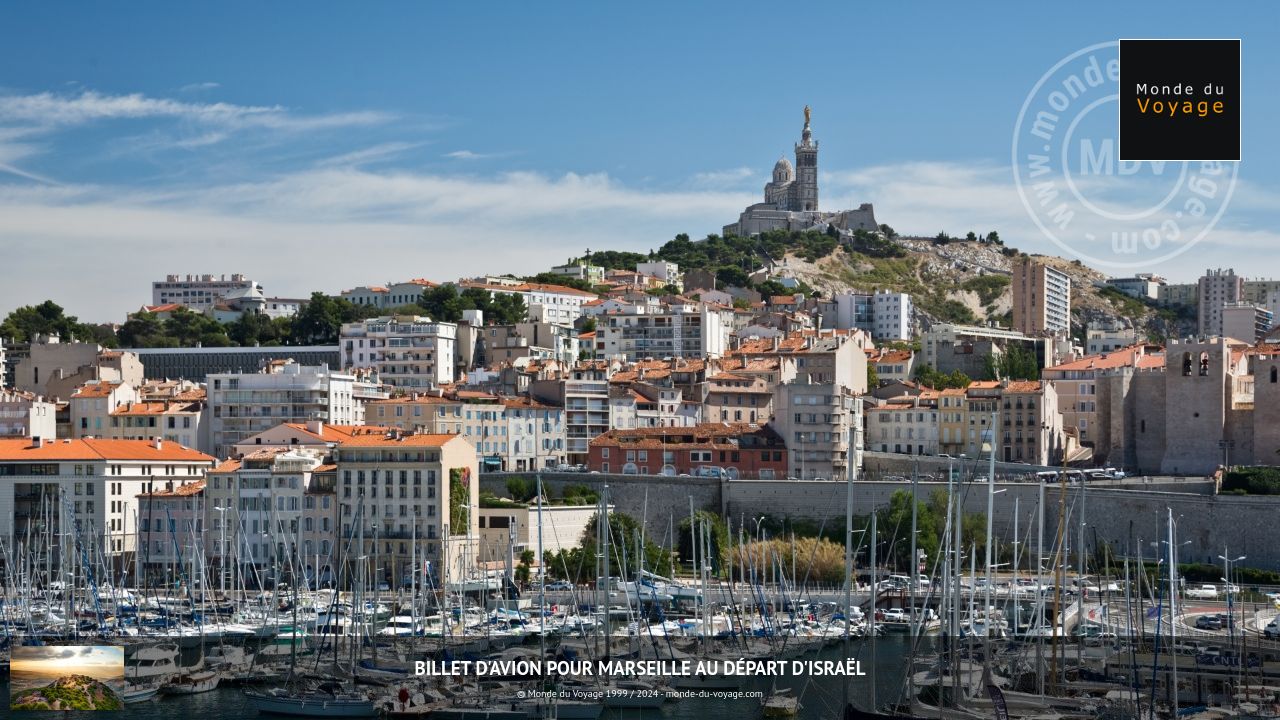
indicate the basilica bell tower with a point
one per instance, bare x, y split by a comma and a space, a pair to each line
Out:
806, 182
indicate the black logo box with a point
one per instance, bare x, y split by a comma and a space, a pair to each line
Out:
1187, 68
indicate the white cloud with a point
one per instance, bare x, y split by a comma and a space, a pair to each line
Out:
733, 179
49, 110
198, 87
365, 156
469, 155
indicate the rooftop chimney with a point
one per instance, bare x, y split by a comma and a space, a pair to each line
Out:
315, 427
157, 443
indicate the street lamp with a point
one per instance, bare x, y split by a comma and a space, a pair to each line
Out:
1226, 570
222, 550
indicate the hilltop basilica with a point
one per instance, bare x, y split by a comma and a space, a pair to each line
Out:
791, 198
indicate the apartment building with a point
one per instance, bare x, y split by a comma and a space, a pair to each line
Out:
66, 491
55, 369
494, 346
391, 295
405, 351
508, 433
732, 450
1215, 290
819, 356
907, 424
393, 487
1108, 337
1030, 428
198, 292
1245, 321
242, 405
817, 421
1144, 286
737, 398
1041, 298
170, 533
24, 414
584, 394
255, 514
690, 330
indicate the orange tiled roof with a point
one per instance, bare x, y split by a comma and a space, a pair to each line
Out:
95, 390
894, 356
98, 449
227, 466
397, 440
1124, 357
1023, 386
166, 307
153, 408
183, 490
339, 433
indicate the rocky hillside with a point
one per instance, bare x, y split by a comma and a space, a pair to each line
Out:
70, 692
968, 282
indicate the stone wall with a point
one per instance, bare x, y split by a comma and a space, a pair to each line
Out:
1127, 517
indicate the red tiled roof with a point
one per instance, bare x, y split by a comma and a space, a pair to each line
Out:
98, 449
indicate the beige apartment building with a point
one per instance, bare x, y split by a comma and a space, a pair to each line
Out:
1041, 298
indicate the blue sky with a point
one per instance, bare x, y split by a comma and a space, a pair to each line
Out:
323, 146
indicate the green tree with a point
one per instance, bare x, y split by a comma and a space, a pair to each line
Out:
873, 377
719, 540
442, 303
1015, 363
894, 527
141, 330
189, 328
320, 321
47, 318
521, 488
459, 500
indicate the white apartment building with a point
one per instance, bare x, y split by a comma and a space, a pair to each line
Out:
255, 512
198, 292
245, 404
508, 433
584, 395
667, 272
91, 485
1101, 338
692, 330
405, 351
24, 414
388, 296
891, 313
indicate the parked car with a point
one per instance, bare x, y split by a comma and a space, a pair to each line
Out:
895, 615
559, 585
1272, 630
1208, 622
1204, 592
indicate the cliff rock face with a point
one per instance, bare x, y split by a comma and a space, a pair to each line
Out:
71, 692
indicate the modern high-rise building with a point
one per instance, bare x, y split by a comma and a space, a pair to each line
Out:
1041, 298
1216, 289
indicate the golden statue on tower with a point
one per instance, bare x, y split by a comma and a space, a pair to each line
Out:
806, 114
